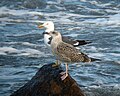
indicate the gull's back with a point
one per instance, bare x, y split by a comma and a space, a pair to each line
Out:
68, 53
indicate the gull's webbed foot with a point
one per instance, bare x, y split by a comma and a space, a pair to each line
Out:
64, 75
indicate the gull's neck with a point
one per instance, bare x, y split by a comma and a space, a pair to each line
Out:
56, 41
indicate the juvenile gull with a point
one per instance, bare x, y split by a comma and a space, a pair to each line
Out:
49, 25
65, 52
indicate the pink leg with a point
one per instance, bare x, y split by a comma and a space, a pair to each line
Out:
65, 73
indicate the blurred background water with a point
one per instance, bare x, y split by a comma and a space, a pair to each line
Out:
22, 50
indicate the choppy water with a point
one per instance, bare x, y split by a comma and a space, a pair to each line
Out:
22, 50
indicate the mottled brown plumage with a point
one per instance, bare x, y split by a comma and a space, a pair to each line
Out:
66, 52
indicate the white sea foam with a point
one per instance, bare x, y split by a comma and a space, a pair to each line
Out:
117, 86
97, 55
111, 20
63, 17
3, 53
31, 53
117, 62
8, 50
103, 49
114, 19
74, 28
5, 11
114, 54
72, 35
92, 48
20, 43
23, 52
29, 44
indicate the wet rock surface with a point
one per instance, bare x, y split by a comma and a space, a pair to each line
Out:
47, 82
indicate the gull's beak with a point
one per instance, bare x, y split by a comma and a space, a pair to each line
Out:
40, 26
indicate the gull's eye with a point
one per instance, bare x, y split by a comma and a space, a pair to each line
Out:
53, 32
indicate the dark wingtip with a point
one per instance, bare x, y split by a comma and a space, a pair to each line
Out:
94, 59
82, 42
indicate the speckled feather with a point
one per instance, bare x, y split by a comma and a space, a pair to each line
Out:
67, 53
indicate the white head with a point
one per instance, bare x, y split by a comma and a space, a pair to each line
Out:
49, 25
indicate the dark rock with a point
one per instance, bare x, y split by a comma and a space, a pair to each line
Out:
47, 82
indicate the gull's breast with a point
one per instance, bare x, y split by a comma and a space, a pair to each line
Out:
47, 39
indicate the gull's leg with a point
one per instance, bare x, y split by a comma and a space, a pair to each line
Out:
57, 63
66, 72
63, 73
